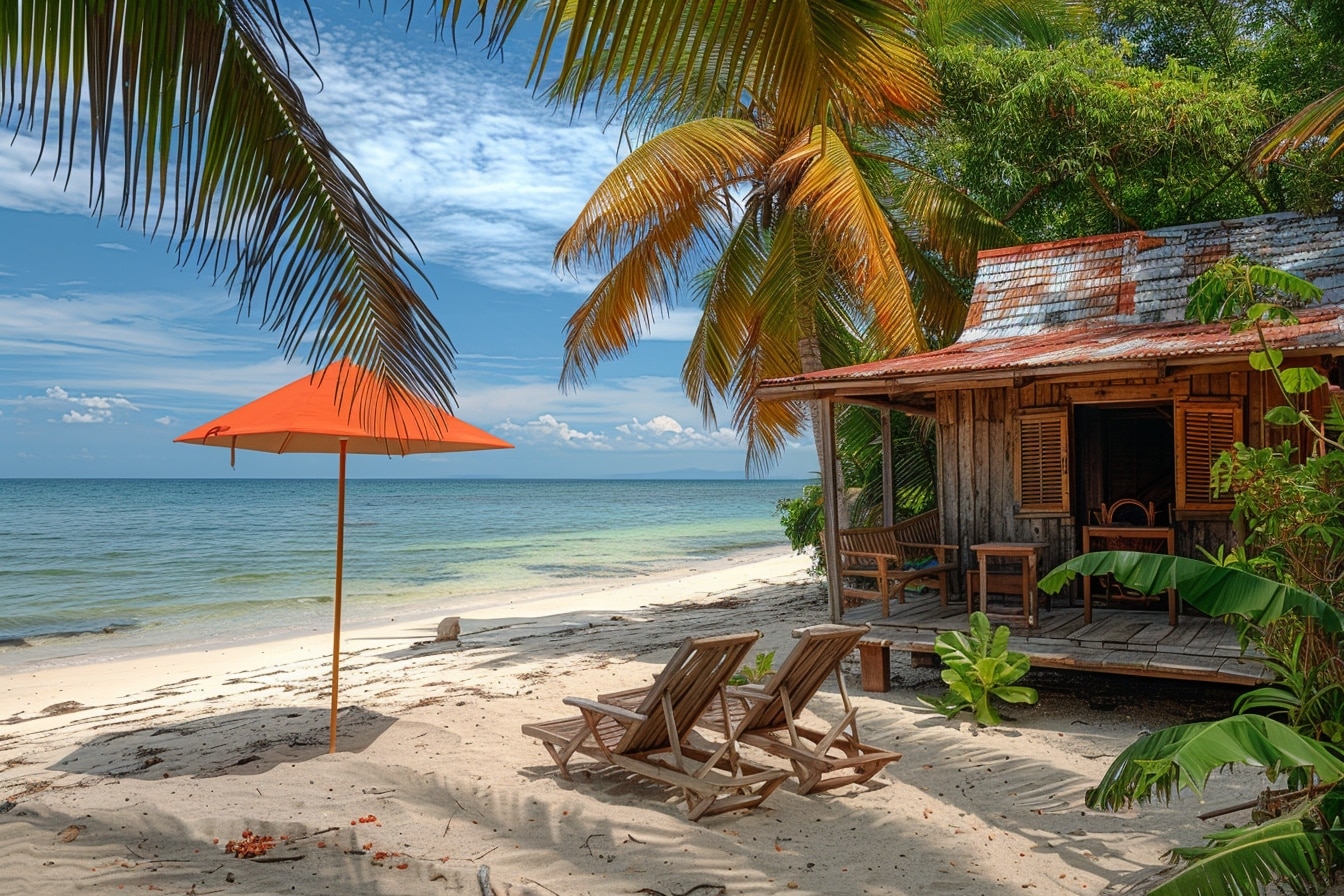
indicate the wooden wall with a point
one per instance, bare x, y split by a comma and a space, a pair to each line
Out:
977, 436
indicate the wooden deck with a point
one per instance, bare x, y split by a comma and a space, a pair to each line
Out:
1119, 642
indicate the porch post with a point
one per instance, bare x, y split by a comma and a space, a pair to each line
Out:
888, 487
830, 497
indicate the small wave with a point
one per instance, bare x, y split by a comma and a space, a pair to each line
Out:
62, 634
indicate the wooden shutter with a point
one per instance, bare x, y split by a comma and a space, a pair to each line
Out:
1204, 430
1043, 462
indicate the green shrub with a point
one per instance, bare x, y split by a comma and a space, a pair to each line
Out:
979, 666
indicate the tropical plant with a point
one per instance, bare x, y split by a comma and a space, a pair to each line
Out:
188, 110
755, 672
775, 203
1299, 845
804, 520
979, 667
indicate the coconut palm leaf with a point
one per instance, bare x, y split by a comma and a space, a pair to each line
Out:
189, 109
806, 59
1216, 590
1324, 119
1035, 23
1244, 861
1183, 757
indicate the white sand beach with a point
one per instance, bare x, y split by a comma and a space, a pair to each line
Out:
133, 776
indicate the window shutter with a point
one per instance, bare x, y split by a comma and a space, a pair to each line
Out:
1043, 462
1204, 430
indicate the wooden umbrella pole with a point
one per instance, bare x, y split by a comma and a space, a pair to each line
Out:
336, 628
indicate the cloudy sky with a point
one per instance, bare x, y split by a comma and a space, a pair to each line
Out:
108, 351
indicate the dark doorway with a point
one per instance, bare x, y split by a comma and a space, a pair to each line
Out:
1124, 451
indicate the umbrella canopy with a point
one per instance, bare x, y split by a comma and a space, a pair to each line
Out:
342, 409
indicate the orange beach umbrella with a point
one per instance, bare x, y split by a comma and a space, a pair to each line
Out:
342, 409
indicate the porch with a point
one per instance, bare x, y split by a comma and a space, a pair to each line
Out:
1118, 641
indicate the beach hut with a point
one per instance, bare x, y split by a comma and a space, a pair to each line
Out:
1078, 384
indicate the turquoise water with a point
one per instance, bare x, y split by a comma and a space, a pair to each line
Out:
155, 559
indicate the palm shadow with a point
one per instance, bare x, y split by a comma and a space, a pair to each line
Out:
249, 742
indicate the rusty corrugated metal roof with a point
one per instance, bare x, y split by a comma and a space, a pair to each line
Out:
1115, 299
1085, 345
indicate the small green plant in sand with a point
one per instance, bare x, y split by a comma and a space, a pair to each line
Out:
979, 666
755, 672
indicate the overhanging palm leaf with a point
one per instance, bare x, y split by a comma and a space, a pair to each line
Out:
1216, 590
1323, 118
1245, 861
217, 145
1183, 757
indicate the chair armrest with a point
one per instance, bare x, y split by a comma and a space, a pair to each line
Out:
606, 709
847, 557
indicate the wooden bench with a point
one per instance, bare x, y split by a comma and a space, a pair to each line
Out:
875, 664
875, 561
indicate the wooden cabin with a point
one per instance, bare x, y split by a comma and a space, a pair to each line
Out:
1078, 383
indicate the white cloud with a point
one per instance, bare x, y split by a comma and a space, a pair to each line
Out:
660, 432
480, 171
546, 430
115, 247
165, 420
88, 408
678, 326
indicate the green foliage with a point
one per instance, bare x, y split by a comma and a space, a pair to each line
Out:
1075, 140
1293, 514
804, 519
979, 666
1296, 737
1215, 590
755, 672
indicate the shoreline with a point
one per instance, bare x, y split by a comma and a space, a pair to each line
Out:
135, 773
129, 643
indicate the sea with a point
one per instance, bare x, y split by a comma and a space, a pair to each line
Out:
107, 567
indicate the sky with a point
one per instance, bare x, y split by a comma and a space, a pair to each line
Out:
108, 350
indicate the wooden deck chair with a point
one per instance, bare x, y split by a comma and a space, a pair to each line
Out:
650, 739
766, 715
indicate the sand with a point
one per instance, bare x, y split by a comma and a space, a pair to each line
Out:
133, 776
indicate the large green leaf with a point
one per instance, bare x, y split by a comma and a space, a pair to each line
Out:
1244, 861
1216, 590
1166, 762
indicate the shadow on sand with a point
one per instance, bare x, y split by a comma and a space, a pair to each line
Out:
240, 743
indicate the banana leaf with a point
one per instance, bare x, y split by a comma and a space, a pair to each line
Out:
1182, 757
1216, 590
1245, 861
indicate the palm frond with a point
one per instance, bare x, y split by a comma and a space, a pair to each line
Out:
646, 220
952, 223
842, 209
1215, 590
1323, 120
1183, 757
217, 145
668, 185
1033, 23
728, 294
1286, 851
799, 58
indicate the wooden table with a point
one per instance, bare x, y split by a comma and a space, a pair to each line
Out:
1025, 552
1159, 536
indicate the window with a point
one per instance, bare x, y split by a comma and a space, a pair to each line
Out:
1204, 430
1043, 462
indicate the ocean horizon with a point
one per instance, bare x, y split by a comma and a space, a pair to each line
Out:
104, 567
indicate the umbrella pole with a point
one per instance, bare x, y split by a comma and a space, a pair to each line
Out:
336, 628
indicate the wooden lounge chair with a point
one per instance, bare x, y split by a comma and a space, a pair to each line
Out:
766, 716
650, 739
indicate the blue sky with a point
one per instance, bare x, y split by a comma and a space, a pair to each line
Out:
108, 351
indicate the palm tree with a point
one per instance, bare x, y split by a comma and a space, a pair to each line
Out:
191, 105
765, 198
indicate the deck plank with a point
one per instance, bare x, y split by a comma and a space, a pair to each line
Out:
1122, 642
